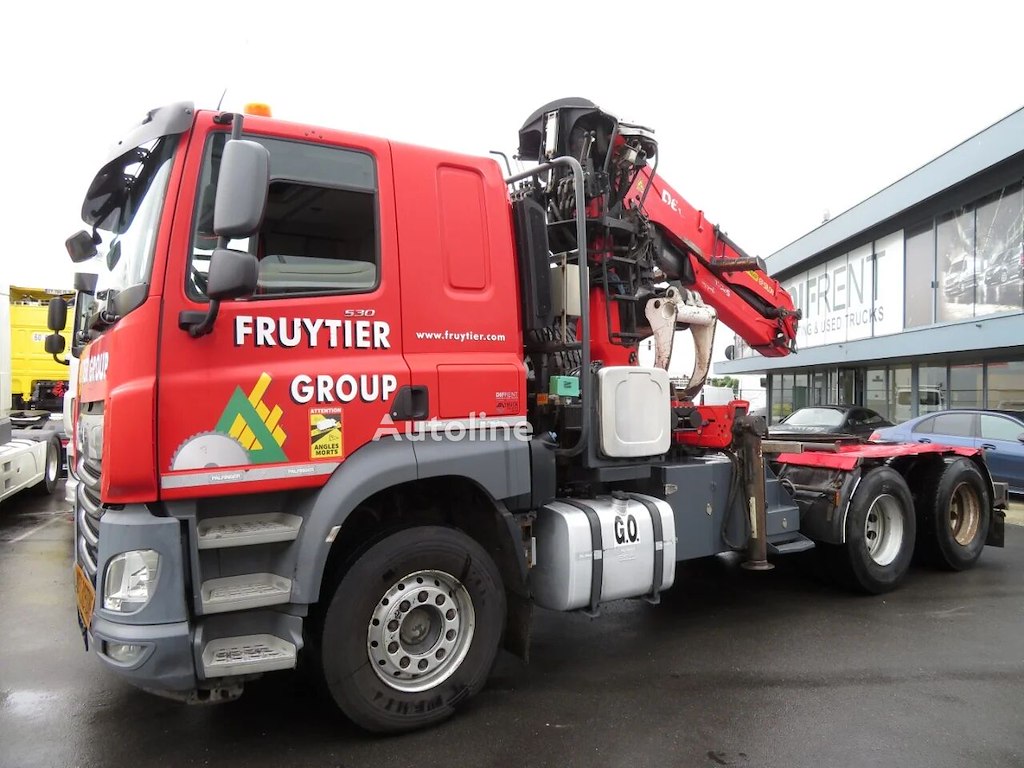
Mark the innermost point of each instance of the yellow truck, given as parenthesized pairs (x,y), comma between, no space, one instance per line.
(38,382)
(31,442)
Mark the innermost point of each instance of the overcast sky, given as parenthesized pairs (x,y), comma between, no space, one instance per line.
(767,114)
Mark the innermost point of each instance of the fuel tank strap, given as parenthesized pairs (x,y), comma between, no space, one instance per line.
(659,543)
(597,549)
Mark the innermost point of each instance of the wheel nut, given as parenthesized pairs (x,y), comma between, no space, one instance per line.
(450,614)
(392,647)
(423,664)
(393,625)
(404,662)
(422,597)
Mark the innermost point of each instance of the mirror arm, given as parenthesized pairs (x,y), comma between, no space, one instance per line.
(62,362)
(204,325)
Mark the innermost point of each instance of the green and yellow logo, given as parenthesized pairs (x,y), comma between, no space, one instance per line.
(255,425)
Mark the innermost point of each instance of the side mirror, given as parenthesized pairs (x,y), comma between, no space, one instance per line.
(242,188)
(53,344)
(232,274)
(81,246)
(57,317)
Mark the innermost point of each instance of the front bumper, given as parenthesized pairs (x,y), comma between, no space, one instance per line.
(166,662)
(162,628)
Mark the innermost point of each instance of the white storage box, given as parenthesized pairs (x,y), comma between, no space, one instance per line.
(635,411)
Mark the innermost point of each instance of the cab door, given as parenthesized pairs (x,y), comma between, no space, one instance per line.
(461,331)
(298,377)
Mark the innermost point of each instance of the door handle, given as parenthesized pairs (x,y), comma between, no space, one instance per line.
(923,440)
(411,404)
(988,446)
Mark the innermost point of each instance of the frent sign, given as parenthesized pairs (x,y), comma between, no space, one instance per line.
(854,296)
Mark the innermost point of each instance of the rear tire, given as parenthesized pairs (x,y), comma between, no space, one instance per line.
(880,533)
(413,629)
(51,469)
(956,513)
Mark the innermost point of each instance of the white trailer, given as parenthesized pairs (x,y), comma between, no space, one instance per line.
(29,457)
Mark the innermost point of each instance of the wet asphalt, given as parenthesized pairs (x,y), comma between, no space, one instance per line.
(732,669)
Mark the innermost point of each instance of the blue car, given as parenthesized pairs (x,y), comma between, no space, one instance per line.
(999,433)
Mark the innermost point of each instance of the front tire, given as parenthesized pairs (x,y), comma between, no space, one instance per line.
(51,469)
(413,629)
(880,531)
(955,516)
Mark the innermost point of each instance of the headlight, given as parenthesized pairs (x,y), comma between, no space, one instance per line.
(130,580)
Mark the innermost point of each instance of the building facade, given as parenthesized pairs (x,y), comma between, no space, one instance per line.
(913,300)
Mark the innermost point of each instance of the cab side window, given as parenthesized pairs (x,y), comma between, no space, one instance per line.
(320,233)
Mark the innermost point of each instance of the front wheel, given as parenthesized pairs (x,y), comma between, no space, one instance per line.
(880,531)
(413,629)
(51,469)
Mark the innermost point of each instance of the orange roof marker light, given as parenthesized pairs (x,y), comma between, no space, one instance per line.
(258,109)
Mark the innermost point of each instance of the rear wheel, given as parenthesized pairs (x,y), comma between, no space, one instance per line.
(51,469)
(413,629)
(880,532)
(956,513)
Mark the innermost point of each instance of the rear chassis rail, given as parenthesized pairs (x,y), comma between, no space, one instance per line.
(822,477)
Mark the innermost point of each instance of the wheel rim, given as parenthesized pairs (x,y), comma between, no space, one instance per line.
(51,465)
(883,529)
(964,514)
(420,631)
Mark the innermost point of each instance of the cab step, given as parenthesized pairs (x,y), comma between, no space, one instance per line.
(246,530)
(250,590)
(247,654)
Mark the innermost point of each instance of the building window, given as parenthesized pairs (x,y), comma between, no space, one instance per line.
(1000,263)
(876,392)
(848,388)
(920,276)
(965,386)
(1006,385)
(957,276)
(789,392)
(801,391)
(931,389)
(900,393)
(775,381)
(819,389)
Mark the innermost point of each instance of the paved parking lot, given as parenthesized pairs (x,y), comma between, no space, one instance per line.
(734,668)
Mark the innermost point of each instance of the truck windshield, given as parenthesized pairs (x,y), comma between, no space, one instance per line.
(124,203)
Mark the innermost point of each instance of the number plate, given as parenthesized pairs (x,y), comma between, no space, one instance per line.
(85,593)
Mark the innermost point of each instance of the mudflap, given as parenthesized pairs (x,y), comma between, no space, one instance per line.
(517,628)
(997,529)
